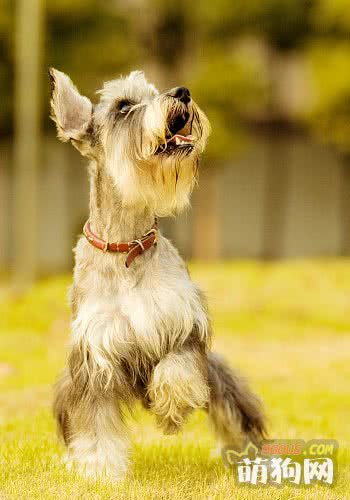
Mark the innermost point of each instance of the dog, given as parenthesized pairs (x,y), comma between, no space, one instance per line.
(140,326)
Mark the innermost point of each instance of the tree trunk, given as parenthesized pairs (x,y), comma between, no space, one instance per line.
(27,140)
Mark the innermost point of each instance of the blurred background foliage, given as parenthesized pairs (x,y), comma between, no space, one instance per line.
(274,78)
(242,59)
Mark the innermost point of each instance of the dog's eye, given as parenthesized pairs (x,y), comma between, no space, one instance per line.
(124,107)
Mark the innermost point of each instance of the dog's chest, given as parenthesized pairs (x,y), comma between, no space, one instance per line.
(165,311)
(157,312)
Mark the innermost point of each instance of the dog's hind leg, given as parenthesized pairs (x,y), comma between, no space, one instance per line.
(178,385)
(93,430)
(233,409)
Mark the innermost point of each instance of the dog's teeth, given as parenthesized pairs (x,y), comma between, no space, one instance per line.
(177,141)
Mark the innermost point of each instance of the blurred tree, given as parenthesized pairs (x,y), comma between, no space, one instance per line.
(91,40)
(232,89)
(285,24)
(6,64)
(232,53)
(328,56)
(27,139)
(331,18)
(329,111)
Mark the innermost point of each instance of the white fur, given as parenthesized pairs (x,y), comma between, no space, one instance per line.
(155,310)
(163,184)
(129,320)
(104,450)
(177,385)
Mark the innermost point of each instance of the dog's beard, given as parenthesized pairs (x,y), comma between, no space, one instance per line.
(155,152)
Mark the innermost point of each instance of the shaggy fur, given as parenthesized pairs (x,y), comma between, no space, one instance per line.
(143,332)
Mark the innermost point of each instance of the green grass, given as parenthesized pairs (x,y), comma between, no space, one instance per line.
(285,325)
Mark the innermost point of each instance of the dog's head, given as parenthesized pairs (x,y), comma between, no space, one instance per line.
(149,142)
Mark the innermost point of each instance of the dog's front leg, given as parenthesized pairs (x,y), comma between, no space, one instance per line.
(178,385)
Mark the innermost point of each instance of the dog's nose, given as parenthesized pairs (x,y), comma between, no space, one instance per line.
(181,93)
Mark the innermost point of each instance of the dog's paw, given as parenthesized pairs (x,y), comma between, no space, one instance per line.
(168,426)
(94,468)
(216,452)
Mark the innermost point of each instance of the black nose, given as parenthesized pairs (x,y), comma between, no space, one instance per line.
(182,93)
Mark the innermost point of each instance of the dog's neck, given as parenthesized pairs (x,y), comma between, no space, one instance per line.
(109,219)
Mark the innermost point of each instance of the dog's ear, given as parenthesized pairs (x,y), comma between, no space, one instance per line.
(70,111)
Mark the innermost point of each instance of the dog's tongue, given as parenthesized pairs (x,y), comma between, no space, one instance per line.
(180,139)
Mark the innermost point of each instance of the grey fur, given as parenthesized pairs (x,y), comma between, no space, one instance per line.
(139,333)
(235,411)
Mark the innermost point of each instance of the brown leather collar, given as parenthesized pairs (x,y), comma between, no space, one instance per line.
(131,248)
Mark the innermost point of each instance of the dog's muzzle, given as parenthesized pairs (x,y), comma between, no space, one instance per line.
(179,135)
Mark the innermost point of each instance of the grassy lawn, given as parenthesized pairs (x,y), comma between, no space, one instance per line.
(285,325)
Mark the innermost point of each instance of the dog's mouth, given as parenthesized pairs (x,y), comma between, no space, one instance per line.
(180,140)
(179,136)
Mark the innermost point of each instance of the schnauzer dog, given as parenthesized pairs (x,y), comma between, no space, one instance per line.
(140,328)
